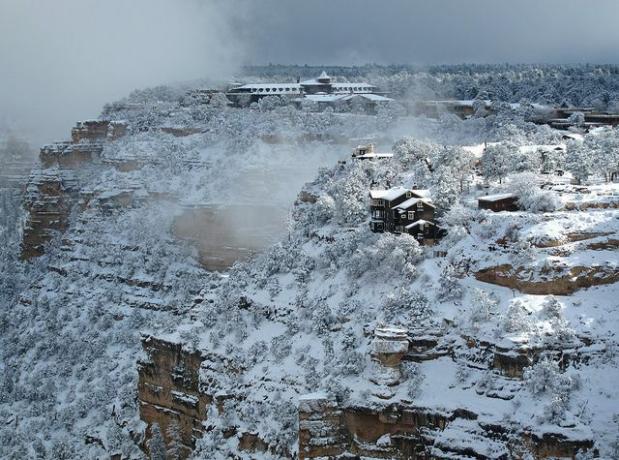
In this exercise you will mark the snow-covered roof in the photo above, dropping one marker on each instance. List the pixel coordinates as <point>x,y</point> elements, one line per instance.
<point>333,97</point>
<point>422,192</point>
<point>497,197</point>
<point>412,201</point>
<point>370,96</point>
<point>388,195</point>
<point>419,222</point>
<point>373,155</point>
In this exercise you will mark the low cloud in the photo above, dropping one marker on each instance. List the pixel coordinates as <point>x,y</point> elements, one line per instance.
<point>61,60</point>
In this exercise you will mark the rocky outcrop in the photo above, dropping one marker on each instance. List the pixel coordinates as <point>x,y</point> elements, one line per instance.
<point>168,391</point>
<point>53,191</point>
<point>399,431</point>
<point>573,279</point>
<point>172,389</point>
<point>50,196</point>
<point>97,131</point>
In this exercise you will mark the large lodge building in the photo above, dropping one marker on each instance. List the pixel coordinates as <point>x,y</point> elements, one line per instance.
<point>322,90</point>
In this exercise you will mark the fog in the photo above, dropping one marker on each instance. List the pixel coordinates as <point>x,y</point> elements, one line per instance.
<point>62,60</point>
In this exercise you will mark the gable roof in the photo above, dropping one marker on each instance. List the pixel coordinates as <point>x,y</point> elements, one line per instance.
<point>497,197</point>
<point>419,222</point>
<point>412,201</point>
<point>421,193</point>
<point>390,194</point>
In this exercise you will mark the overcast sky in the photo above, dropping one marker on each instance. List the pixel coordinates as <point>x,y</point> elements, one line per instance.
<point>435,31</point>
<point>61,60</point>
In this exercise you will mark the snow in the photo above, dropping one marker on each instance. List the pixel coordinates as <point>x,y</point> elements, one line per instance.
<point>370,156</point>
<point>390,194</point>
<point>419,222</point>
<point>413,201</point>
<point>497,197</point>
<point>313,301</point>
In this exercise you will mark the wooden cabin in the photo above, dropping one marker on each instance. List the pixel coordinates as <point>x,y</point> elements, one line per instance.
<point>412,210</point>
<point>382,204</point>
<point>402,210</point>
<point>499,202</point>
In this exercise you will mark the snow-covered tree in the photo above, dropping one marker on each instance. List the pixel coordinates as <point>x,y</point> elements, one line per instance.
<point>579,160</point>
<point>496,161</point>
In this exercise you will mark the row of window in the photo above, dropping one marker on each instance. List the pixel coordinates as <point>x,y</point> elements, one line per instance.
<point>297,90</point>
<point>275,90</point>
<point>379,214</point>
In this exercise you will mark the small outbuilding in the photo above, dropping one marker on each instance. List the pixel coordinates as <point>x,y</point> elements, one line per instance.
<point>367,152</point>
<point>499,202</point>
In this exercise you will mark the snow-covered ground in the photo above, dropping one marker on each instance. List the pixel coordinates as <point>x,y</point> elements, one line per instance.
<point>70,340</point>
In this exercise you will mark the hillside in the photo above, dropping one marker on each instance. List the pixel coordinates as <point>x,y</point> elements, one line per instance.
<point>123,335</point>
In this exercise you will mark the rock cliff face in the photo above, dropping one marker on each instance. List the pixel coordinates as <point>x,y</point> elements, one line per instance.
<point>50,197</point>
<point>562,284</point>
<point>170,391</point>
<point>54,190</point>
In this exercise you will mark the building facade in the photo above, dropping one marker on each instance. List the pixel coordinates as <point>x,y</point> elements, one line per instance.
<point>499,202</point>
<point>402,210</point>
<point>323,91</point>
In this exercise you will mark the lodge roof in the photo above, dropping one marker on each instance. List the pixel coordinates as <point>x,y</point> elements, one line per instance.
<point>390,194</point>
<point>333,97</point>
<point>373,155</point>
<point>497,197</point>
<point>412,201</point>
<point>398,191</point>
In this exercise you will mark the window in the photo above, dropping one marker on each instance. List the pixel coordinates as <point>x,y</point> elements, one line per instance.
<point>419,205</point>
<point>409,194</point>
<point>411,215</point>
<point>260,90</point>
<point>287,89</point>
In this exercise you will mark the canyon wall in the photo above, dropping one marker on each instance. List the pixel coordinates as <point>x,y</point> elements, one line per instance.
<point>170,392</point>
<point>54,190</point>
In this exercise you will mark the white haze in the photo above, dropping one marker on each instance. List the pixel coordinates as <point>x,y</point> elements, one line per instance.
<point>62,60</point>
